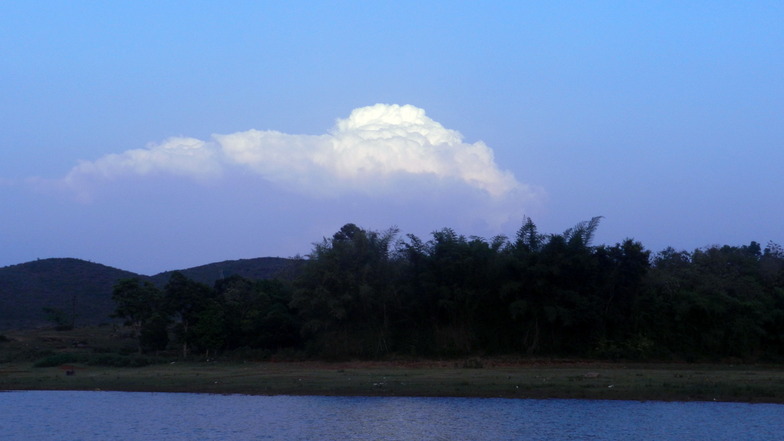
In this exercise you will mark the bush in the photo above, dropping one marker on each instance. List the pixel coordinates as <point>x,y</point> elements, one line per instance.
<point>58,359</point>
<point>29,354</point>
<point>249,354</point>
<point>111,360</point>
<point>289,354</point>
<point>128,350</point>
<point>114,360</point>
<point>634,348</point>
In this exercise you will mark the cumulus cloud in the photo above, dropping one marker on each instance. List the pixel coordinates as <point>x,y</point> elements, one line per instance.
<point>372,152</point>
<point>178,156</point>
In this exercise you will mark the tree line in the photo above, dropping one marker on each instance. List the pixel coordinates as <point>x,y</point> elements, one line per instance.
<point>370,294</point>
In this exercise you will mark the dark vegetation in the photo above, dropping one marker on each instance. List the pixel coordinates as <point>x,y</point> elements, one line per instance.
<point>68,292</point>
<point>379,295</point>
<point>368,294</point>
<point>64,292</point>
<point>254,269</point>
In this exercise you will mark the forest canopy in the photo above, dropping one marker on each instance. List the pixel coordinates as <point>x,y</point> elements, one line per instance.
<point>373,294</point>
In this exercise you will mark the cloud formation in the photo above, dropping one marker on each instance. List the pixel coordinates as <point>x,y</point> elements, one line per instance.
<point>178,156</point>
<point>369,152</point>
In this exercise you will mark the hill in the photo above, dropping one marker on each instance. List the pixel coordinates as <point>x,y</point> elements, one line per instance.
<point>258,268</point>
<point>71,285</point>
<point>74,285</point>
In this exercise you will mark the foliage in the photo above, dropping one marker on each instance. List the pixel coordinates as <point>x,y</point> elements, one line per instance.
<point>370,294</point>
<point>186,300</point>
<point>237,312</point>
<point>25,289</point>
<point>142,306</point>
<point>154,335</point>
<point>57,316</point>
<point>59,359</point>
<point>542,294</point>
<point>345,293</point>
<point>113,360</point>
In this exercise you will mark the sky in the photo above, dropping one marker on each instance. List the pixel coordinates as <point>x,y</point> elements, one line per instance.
<point>152,136</point>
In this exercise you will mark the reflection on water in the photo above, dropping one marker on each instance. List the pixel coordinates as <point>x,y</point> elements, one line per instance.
<point>65,416</point>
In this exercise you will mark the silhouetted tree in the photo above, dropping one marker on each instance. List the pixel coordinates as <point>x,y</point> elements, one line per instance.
<point>137,303</point>
<point>345,292</point>
<point>186,299</point>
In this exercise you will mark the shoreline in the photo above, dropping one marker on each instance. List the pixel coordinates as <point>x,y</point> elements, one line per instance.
<point>527,380</point>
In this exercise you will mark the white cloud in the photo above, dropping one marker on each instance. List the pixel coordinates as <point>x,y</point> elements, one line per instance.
<point>377,150</point>
<point>178,156</point>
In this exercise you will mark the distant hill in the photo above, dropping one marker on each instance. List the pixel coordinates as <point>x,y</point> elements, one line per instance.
<point>65,283</point>
<point>258,268</point>
<point>27,288</point>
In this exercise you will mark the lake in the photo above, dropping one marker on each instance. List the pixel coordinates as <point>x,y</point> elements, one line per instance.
<point>88,416</point>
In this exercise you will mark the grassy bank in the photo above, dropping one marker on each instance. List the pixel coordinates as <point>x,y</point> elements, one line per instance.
<point>519,378</point>
<point>534,380</point>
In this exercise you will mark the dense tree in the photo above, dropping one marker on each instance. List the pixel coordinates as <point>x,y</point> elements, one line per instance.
<point>715,302</point>
<point>186,300</point>
<point>621,274</point>
<point>462,273</point>
<point>540,294</point>
<point>258,313</point>
<point>363,293</point>
<point>154,334</point>
<point>346,292</point>
<point>208,331</point>
<point>551,289</point>
<point>142,307</point>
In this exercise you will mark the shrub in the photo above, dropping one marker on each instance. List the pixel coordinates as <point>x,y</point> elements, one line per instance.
<point>249,354</point>
<point>58,359</point>
<point>114,360</point>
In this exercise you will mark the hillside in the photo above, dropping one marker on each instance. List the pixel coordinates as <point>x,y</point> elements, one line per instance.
<point>66,283</point>
<point>27,288</point>
<point>258,268</point>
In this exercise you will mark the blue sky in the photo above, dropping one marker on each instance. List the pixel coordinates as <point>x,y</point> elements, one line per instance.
<point>157,136</point>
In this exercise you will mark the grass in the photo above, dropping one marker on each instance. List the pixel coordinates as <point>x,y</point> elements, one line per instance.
<point>516,378</point>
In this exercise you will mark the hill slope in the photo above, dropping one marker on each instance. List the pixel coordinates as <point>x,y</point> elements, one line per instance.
<point>86,287</point>
<point>67,284</point>
<point>258,268</point>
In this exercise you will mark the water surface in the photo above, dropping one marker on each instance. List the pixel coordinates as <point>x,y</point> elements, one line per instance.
<point>128,416</point>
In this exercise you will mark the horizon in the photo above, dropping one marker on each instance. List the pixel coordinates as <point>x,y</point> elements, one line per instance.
<point>400,235</point>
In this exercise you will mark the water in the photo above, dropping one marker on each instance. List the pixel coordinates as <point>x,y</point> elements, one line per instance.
<point>93,416</point>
